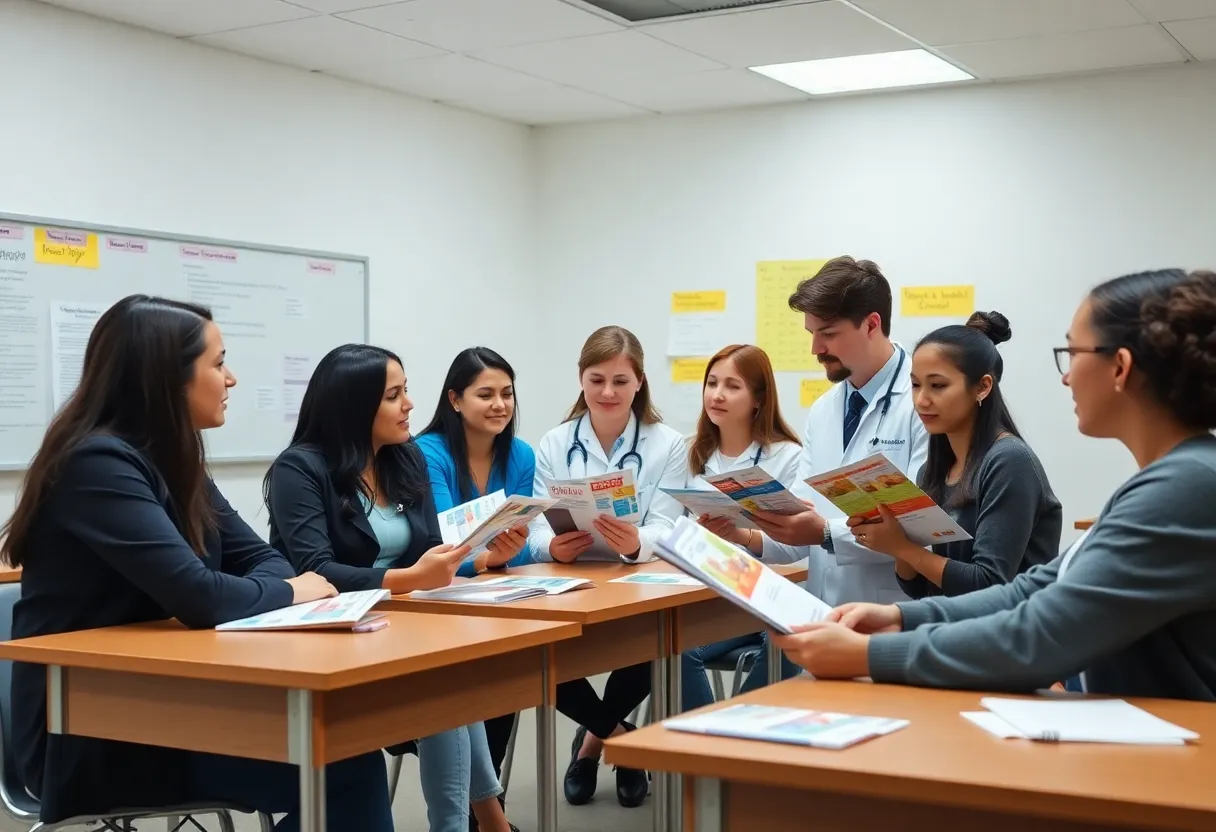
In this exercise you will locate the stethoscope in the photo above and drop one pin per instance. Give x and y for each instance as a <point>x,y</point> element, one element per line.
<point>886,399</point>
<point>577,446</point>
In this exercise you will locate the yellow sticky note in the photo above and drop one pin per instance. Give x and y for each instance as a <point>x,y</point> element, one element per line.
<point>707,301</point>
<point>780,331</point>
<point>811,389</point>
<point>65,248</point>
<point>937,301</point>
<point>688,370</point>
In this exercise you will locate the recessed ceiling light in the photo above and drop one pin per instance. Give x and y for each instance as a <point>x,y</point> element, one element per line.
<point>906,68</point>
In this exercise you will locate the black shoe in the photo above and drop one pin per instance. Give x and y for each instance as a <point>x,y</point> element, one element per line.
<point>632,785</point>
<point>580,781</point>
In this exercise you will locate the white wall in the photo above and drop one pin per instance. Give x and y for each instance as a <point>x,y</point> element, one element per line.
<point>107,124</point>
<point>1031,192</point>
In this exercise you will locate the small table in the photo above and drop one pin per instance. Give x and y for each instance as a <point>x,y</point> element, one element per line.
<point>307,698</point>
<point>1082,525</point>
<point>9,574</point>
<point>940,772</point>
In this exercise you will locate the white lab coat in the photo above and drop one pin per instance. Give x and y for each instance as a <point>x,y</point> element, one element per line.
<point>779,460</point>
<point>664,464</point>
<point>853,572</point>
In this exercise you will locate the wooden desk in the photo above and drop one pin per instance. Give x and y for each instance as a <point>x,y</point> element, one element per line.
<point>307,698</point>
<point>1082,525</point>
<point>940,772</point>
<point>9,575</point>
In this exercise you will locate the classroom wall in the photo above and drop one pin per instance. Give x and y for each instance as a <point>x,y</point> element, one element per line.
<point>108,124</point>
<point>1032,192</point>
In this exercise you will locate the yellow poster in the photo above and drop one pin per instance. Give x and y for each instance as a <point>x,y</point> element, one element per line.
<point>707,301</point>
<point>688,370</point>
<point>780,331</point>
<point>65,248</point>
<point>937,301</point>
<point>811,389</point>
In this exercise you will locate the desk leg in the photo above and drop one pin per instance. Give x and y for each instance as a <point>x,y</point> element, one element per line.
<point>675,705</point>
<point>707,808</point>
<point>300,741</point>
<point>546,748</point>
<point>660,701</point>
<point>774,661</point>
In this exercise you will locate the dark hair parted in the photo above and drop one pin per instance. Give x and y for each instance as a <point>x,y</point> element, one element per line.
<point>845,288</point>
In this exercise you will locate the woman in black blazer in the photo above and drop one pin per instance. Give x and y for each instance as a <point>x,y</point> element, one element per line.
<point>350,499</point>
<point>118,523</point>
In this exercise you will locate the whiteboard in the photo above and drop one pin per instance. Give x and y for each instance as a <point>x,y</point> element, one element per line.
<point>280,310</point>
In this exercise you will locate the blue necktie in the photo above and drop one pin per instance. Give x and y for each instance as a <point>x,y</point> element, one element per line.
<point>852,417</point>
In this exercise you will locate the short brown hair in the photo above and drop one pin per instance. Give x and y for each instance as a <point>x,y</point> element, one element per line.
<point>605,344</point>
<point>845,288</point>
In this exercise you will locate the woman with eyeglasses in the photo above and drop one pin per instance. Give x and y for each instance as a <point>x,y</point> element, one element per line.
<point>1132,607</point>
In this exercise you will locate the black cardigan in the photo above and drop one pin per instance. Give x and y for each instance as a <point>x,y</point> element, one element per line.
<point>103,551</point>
<point>310,527</point>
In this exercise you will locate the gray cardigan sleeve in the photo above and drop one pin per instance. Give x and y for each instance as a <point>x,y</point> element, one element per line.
<point>1146,562</point>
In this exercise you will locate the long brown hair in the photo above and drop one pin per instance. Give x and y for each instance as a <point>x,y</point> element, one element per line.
<point>138,361</point>
<point>605,344</point>
<point>767,425</point>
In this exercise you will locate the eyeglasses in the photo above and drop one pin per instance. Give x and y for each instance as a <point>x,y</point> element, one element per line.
<point>1064,364</point>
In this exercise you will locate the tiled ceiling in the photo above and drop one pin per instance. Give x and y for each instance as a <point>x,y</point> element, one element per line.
<point>554,61</point>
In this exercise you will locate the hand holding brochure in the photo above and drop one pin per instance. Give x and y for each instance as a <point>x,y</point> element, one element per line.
<point>345,611</point>
<point>737,495</point>
<point>739,577</point>
<point>457,523</point>
<point>579,502</point>
<point>859,489</point>
<point>818,729</point>
<point>479,521</point>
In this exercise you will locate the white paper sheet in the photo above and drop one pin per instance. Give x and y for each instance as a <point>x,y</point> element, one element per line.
<point>71,325</point>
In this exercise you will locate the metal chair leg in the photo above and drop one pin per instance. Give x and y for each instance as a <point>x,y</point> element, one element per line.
<point>394,776</point>
<point>225,820</point>
<point>715,680</point>
<point>265,822</point>
<point>742,666</point>
<point>505,779</point>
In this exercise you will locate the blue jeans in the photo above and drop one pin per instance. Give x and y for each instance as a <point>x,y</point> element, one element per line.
<point>758,678</point>
<point>356,790</point>
<point>455,769</point>
<point>695,691</point>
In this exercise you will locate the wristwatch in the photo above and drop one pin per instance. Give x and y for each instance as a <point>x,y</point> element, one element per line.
<point>828,545</point>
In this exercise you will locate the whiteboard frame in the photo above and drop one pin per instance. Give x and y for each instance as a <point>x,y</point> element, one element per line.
<point>69,225</point>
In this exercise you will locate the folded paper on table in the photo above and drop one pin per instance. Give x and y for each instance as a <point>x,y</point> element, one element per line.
<point>657,579</point>
<point>737,494</point>
<point>579,502</point>
<point>549,585</point>
<point>860,488</point>
<point>345,611</point>
<point>793,726</point>
<point>480,524</point>
<point>478,592</point>
<point>739,577</point>
<point>1081,720</point>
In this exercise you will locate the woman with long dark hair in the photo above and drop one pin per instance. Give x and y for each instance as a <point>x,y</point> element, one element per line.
<point>118,522</point>
<point>350,500</point>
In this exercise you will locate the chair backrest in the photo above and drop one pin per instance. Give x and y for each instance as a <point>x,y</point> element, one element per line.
<point>9,593</point>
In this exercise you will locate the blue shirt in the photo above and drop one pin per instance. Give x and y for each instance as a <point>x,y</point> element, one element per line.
<point>392,531</point>
<point>445,488</point>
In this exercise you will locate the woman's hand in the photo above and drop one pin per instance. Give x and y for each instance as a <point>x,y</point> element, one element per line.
<point>621,537</point>
<point>827,650</point>
<point>310,587</point>
<point>565,548</point>
<point>436,568</point>
<point>883,535</point>
<point>506,545</point>
<point>725,529</point>
<point>868,618</point>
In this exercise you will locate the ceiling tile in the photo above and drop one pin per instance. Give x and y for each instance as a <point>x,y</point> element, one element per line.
<point>320,43</point>
<point>598,56</point>
<point>466,25</point>
<point>182,18</point>
<point>941,22</point>
<point>1198,36</point>
<point>715,89</point>
<point>773,36</point>
<point>1163,10</point>
<point>1077,52</point>
<point>557,105</point>
<point>446,77</point>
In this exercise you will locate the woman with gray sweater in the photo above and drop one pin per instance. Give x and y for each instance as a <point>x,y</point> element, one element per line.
<point>1132,607</point>
<point>978,469</point>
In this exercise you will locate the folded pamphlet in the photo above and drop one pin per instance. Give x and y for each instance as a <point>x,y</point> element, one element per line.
<point>739,577</point>
<point>737,494</point>
<point>478,592</point>
<point>345,611</point>
<point>550,585</point>
<point>579,502</point>
<point>859,489</point>
<point>1077,720</point>
<point>794,726</point>
<point>658,579</point>
<point>457,523</point>
<point>478,522</point>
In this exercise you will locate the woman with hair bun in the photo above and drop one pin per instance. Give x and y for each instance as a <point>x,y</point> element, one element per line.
<point>1131,608</point>
<point>979,469</point>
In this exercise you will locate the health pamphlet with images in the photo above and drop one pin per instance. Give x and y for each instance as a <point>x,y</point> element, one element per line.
<point>345,611</point>
<point>859,489</point>
<point>479,521</point>
<point>457,523</point>
<point>658,579</point>
<point>794,726</point>
<point>737,495</point>
<point>739,577</point>
<point>579,502</point>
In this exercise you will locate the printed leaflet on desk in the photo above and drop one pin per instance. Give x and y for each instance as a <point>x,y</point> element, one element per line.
<point>346,611</point>
<point>740,578</point>
<point>737,495</point>
<point>858,489</point>
<point>479,521</point>
<point>580,501</point>
<point>794,726</point>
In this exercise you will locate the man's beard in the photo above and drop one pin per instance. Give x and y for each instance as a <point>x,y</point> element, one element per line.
<point>838,373</point>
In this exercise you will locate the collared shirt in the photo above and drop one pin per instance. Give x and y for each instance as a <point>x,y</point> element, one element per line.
<point>876,386</point>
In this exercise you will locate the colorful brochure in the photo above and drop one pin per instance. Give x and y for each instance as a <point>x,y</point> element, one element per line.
<point>793,726</point>
<point>737,494</point>
<point>550,585</point>
<point>579,502</point>
<point>479,521</point>
<point>345,611</point>
<point>658,579</point>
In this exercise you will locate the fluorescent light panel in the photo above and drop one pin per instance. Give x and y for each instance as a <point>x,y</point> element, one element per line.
<point>907,68</point>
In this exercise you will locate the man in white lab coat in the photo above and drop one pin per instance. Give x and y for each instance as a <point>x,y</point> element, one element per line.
<point>847,306</point>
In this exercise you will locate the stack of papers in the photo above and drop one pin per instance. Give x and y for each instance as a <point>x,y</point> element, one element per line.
<point>794,726</point>
<point>346,611</point>
<point>737,495</point>
<point>579,502</point>
<point>1079,720</point>
<point>502,590</point>
<point>477,522</point>
<point>657,579</point>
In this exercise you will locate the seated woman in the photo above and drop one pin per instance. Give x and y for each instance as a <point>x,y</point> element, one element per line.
<point>119,523</point>
<point>740,427</point>
<point>1132,609</point>
<point>349,499</point>
<point>471,450</point>
<point>979,470</point>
